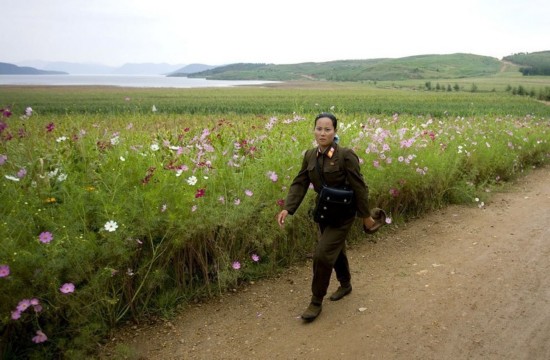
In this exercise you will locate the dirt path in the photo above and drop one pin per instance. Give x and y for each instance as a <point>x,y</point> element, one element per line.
<point>461,283</point>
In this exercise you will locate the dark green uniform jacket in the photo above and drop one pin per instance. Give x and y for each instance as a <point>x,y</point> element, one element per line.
<point>341,168</point>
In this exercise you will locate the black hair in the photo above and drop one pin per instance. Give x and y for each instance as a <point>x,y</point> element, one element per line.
<point>327,115</point>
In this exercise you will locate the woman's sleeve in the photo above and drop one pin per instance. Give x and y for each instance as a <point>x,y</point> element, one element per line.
<point>357,183</point>
<point>298,188</point>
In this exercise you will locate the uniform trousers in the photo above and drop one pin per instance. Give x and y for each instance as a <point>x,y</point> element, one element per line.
<point>330,253</point>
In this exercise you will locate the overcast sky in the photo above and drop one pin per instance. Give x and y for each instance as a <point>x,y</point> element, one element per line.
<point>216,32</point>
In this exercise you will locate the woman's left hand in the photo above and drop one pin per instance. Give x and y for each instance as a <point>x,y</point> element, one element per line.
<point>281,218</point>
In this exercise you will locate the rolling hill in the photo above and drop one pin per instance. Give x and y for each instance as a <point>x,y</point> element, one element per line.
<point>452,66</point>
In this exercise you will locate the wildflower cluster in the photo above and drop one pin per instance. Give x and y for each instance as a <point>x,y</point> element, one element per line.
<point>237,265</point>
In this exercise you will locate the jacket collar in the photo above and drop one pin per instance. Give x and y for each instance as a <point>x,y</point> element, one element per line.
<point>329,151</point>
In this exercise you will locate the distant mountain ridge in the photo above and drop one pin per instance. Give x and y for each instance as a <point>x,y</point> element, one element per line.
<point>99,69</point>
<point>11,69</point>
<point>191,69</point>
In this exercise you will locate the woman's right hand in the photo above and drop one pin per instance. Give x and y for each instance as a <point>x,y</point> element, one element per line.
<point>281,218</point>
<point>368,222</point>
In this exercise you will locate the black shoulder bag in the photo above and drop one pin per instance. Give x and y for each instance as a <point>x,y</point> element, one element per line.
<point>335,204</point>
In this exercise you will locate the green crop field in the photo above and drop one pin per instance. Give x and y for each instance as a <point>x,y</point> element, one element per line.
<point>345,98</point>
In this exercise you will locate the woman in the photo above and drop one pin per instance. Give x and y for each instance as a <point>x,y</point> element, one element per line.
<point>339,166</point>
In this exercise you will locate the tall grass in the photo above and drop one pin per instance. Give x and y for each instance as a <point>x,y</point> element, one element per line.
<point>142,211</point>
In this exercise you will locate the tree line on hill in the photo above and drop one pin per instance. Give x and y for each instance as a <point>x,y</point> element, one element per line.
<point>537,63</point>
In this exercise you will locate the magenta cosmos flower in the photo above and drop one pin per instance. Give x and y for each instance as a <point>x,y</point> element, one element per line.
<point>236,265</point>
<point>40,337</point>
<point>67,288</point>
<point>4,271</point>
<point>45,237</point>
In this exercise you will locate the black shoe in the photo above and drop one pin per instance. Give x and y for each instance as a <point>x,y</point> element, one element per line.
<point>312,311</point>
<point>340,293</point>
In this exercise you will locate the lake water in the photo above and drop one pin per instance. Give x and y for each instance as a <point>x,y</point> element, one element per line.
<point>155,81</point>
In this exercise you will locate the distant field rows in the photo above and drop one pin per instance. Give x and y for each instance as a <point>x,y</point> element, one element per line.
<point>286,98</point>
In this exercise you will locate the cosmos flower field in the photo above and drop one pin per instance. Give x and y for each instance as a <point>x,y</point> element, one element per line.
<point>108,217</point>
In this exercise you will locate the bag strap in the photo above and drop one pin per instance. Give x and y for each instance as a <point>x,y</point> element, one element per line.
<point>319,171</point>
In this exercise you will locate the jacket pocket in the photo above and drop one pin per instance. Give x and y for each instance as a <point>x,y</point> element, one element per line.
<point>333,176</point>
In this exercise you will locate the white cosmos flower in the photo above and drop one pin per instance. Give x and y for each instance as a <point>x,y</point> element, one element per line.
<point>122,158</point>
<point>53,173</point>
<point>61,139</point>
<point>111,226</point>
<point>12,178</point>
<point>192,180</point>
<point>62,177</point>
<point>155,147</point>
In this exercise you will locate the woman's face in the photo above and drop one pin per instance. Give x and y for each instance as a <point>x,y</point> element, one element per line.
<point>324,132</point>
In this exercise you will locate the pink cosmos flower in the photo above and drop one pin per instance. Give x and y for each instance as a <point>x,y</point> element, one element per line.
<point>3,159</point>
<point>236,265</point>
<point>40,337</point>
<point>45,237</point>
<point>255,257</point>
<point>23,305</point>
<point>15,315</point>
<point>248,192</point>
<point>272,176</point>
<point>67,288</point>
<point>36,304</point>
<point>237,201</point>
<point>4,271</point>
<point>22,173</point>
